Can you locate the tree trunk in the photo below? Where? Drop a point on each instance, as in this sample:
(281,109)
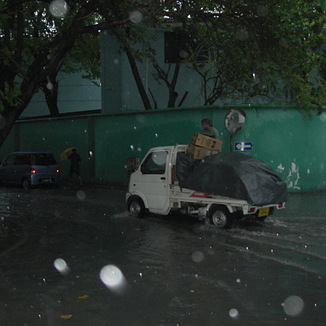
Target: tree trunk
(50,90)
(140,86)
(173,95)
(7,122)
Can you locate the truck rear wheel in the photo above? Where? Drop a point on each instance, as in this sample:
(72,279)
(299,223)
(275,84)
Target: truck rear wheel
(221,217)
(136,207)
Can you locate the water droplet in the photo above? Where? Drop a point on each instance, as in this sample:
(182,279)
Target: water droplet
(234,313)
(49,86)
(197,256)
(81,195)
(184,54)
(283,42)
(112,277)
(322,117)
(293,305)
(242,34)
(159,158)
(262,10)
(61,266)
(136,16)
(58,8)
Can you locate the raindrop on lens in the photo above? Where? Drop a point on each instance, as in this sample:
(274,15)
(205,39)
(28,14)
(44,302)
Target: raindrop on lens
(234,313)
(293,305)
(58,8)
(49,86)
(184,54)
(262,10)
(283,42)
(112,277)
(198,256)
(159,158)
(242,34)
(81,195)
(136,16)
(61,266)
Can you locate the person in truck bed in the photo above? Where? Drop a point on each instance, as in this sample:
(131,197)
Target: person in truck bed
(208,129)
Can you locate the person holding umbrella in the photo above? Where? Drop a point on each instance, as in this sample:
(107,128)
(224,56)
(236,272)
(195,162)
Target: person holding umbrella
(74,158)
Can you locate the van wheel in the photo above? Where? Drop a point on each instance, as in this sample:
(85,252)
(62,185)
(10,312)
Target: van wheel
(25,183)
(136,207)
(221,217)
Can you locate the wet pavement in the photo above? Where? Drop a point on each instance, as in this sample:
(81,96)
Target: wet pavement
(74,256)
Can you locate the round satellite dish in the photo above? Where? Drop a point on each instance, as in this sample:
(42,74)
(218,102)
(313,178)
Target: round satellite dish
(234,120)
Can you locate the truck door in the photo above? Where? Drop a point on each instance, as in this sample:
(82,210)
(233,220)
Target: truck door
(154,181)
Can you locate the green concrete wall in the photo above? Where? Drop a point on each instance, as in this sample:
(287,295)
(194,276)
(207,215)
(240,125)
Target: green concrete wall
(289,141)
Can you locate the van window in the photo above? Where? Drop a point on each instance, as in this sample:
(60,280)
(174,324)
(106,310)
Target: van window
(43,159)
(155,163)
(22,159)
(10,160)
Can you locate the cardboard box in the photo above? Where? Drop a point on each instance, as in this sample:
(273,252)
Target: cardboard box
(207,142)
(198,153)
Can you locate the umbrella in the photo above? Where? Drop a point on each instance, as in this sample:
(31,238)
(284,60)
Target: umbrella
(65,154)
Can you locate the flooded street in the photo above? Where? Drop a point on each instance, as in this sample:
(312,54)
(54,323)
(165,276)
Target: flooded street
(75,257)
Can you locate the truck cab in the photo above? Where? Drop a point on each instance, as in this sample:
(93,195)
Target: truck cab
(150,183)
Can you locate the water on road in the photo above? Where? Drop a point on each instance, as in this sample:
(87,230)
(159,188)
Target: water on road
(76,257)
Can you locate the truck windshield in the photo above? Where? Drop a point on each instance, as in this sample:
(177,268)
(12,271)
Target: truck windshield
(155,163)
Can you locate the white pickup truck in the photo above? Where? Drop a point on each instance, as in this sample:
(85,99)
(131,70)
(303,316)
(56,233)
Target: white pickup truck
(154,187)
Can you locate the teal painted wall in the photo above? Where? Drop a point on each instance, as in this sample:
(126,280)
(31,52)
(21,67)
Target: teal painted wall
(119,88)
(289,141)
(75,94)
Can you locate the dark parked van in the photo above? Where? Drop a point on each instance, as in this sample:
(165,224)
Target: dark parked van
(29,169)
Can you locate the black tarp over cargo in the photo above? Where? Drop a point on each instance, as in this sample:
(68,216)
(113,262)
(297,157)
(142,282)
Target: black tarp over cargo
(233,175)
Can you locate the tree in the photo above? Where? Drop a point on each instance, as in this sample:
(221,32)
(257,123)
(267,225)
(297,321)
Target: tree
(258,48)
(254,48)
(35,39)
(274,40)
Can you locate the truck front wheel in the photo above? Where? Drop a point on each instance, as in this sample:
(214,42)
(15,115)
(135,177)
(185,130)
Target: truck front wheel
(136,207)
(221,217)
